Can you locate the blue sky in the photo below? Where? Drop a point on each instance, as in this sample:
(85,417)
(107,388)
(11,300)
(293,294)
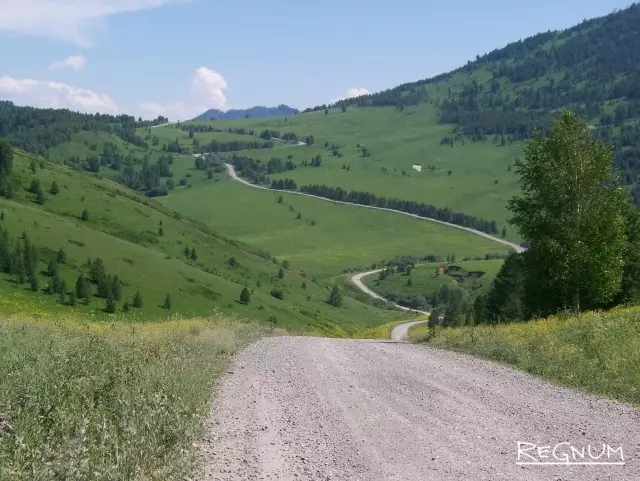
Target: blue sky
(179,57)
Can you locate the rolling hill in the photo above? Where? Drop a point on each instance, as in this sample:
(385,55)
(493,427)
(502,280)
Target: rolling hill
(153,250)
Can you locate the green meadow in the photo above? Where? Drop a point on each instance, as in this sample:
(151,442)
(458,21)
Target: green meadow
(474,178)
(143,242)
(327,238)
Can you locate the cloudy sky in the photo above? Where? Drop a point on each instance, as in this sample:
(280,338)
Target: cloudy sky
(180,57)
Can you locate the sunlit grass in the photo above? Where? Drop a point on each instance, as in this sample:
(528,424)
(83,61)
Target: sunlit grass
(107,401)
(598,352)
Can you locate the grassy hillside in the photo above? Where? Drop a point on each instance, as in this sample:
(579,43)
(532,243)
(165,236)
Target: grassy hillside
(327,238)
(475,277)
(597,352)
(144,244)
(86,401)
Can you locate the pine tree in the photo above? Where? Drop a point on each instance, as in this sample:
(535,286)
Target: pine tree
(55,285)
(116,288)
(336,298)
(52,268)
(18,264)
(72,298)
(194,256)
(40,199)
(54,189)
(85,215)
(137,300)
(63,291)
(96,271)
(33,281)
(104,287)
(110,305)
(245,296)
(409,282)
(281,273)
(186,251)
(61,256)
(160,231)
(167,302)
(82,287)
(125,307)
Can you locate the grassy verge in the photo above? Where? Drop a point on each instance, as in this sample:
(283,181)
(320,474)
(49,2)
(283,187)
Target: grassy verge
(598,352)
(378,332)
(108,401)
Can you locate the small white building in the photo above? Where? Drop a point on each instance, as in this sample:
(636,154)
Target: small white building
(417,167)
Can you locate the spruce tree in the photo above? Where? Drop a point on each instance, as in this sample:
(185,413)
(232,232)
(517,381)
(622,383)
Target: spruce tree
(194,256)
(245,296)
(110,305)
(336,298)
(72,298)
(85,215)
(52,268)
(61,256)
(63,291)
(33,281)
(96,271)
(82,287)
(137,300)
(116,288)
(54,189)
(125,307)
(167,302)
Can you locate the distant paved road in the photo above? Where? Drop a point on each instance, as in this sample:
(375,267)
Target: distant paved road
(309,409)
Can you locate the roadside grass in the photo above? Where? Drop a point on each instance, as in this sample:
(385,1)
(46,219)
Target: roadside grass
(598,352)
(115,401)
(327,238)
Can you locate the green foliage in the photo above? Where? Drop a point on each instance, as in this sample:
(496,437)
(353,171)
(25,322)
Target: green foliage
(83,288)
(505,301)
(6,160)
(631,272)
(591,352)
(138,385)
(336,298)
(85,215)
(167,302)
(54,189)
(61,256)
(570,213)
(277,293)
(137,300)
(245,296)
(280,273)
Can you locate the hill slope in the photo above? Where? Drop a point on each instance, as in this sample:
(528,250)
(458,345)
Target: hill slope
(155,251)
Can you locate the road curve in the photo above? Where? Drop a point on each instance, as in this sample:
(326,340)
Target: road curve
(400,333)
(300,408)
(516,247)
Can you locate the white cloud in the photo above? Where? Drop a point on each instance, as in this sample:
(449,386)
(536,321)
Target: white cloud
(70,20)
(356,92)
(351,93)
(208,91)
(76,62)
(42,93)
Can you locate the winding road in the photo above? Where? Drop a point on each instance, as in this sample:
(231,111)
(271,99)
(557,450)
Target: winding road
(232,173)
(309,409)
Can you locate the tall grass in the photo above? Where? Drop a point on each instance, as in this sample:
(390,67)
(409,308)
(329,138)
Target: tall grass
(111,401)
(598,352)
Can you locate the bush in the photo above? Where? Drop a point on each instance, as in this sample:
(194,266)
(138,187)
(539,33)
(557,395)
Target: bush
(277,293)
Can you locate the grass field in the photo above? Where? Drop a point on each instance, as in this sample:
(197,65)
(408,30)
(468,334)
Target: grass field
(425,283)
(598,352)
(479,183)
(327,238)
(109,402)
(124,230)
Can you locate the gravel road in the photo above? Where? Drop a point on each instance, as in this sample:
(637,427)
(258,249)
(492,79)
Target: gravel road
(232,173)
(298,408)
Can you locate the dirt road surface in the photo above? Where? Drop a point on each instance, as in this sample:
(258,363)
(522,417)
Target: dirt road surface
(299,408)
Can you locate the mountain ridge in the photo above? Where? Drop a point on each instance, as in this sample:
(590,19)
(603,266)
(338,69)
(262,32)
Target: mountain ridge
(259,111)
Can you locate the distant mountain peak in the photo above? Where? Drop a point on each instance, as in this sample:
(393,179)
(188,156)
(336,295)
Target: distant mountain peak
(253,112)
